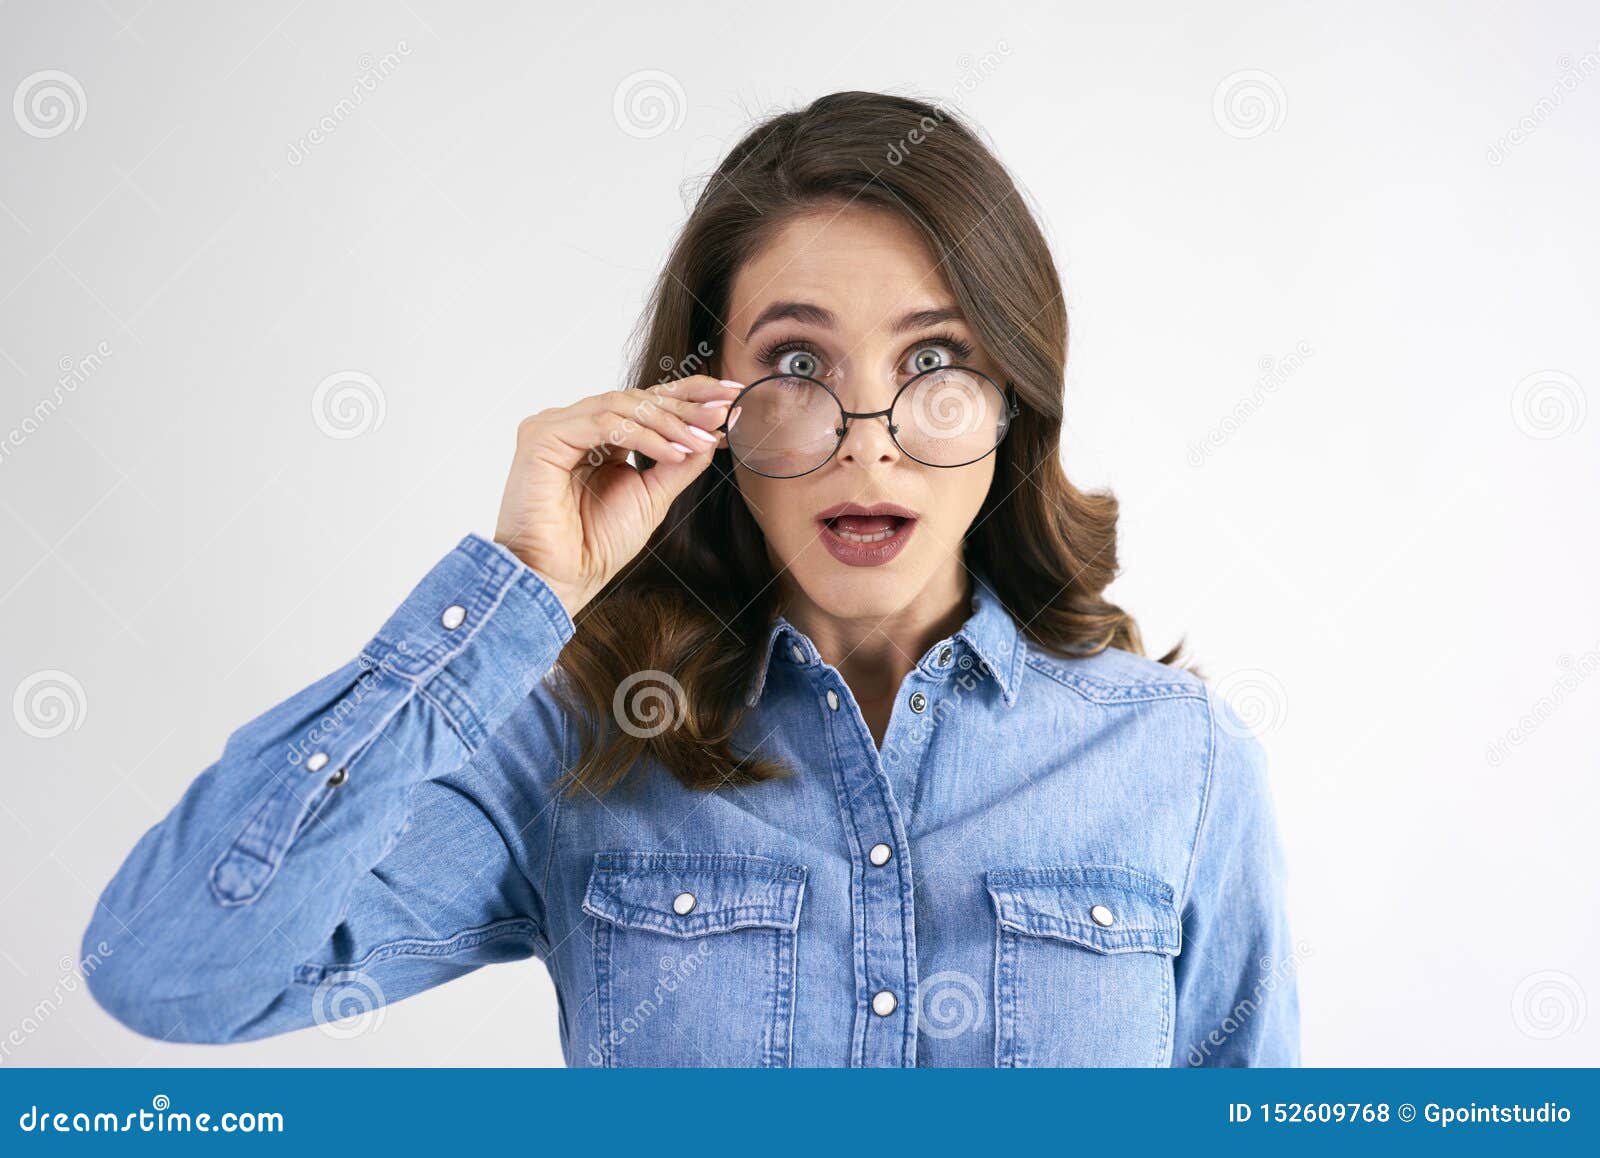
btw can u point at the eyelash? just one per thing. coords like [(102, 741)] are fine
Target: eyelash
[(769, 355)]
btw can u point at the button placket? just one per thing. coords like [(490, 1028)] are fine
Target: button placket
[(885, 923)]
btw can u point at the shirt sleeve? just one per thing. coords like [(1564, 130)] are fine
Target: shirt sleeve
[(1237, 998), (377, 833)]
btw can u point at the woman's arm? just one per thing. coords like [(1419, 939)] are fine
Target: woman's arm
[(361, 841), (1238, 1003), (367, 838)]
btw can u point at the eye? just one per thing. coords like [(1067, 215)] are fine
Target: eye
[(925, 358), (800, 362)]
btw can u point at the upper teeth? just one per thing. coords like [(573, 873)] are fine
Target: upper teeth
[(855, 538)]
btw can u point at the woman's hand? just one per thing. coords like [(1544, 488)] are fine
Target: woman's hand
[(575, 510)]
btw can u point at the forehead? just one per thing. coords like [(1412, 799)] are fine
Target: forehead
[(862, 263)]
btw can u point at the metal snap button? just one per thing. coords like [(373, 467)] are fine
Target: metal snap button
[(683, 904), (1101, 916), (879, 854), (884, 1003), (454, 616), (944, 657), (338, 778), (317, 762), (798, 652), (833, 700), (918, 701)]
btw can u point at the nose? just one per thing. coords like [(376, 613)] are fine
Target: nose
[(868, 439)]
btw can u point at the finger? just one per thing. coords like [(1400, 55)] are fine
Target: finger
[(587, 437), (697, 428), (665, 481), (698, 388), (707, 414)]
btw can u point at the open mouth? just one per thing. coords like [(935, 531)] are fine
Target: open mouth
[(866, 540), (866, 528)]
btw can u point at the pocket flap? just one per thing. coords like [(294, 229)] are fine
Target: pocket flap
[(690, 894), (1106, 908)]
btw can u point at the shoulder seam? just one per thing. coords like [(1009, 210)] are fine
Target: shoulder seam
[(1204, 811), (1102, 691)]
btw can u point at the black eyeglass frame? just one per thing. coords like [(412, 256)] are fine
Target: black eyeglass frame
[(1008, 395)]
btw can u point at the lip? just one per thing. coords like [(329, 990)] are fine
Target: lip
[(894, 509), (853, 554)]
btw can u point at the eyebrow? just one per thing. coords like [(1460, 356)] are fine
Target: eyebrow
[(924, 319), (796, 311), (815, 315)]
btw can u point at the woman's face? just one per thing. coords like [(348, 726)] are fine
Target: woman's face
[(852, 297)]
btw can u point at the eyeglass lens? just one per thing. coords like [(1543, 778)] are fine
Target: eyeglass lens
[(789, 426)]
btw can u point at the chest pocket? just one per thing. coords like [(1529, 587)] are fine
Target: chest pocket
[(694, 958), (1083, 966)]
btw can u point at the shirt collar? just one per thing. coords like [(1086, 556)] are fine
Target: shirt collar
[(995, 642)]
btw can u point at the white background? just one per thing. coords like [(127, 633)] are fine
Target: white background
[(1388, 554)]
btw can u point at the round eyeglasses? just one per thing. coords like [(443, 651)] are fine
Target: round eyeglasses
[(790, 425)]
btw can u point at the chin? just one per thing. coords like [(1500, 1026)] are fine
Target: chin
[(854, 592)]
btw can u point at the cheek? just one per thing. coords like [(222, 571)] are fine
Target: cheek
[(955, 496)]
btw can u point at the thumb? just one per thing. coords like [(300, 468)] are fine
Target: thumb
[(665, 481)]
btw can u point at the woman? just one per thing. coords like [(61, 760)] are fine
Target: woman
[(805, 738)]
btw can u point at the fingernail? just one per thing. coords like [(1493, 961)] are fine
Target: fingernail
[(702, 435), (730, 384), (733, 416), (682, 449), (717, 403)]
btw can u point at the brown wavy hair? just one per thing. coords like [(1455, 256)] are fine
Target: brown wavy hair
[(700, 599)]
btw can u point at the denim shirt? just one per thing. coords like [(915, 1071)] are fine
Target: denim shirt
[(1049, 862)]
